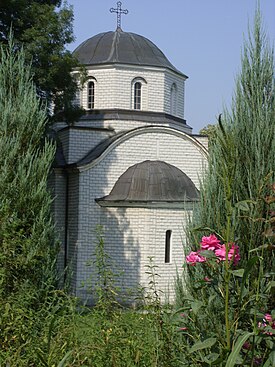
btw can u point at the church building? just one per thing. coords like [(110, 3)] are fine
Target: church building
[(130, 164)]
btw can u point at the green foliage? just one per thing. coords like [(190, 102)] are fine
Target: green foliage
[(26, 230), (125, 340), (105, 289), (28, 248), (43, 28), (40, 336), (210, 132), (241, 159), (224, 305), (152, 296), (224, 311)]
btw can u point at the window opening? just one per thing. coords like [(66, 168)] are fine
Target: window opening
[(173, 100), (168, 237), (137, 96), (91, 95)]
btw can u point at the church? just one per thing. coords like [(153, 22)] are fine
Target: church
[(130, 164)]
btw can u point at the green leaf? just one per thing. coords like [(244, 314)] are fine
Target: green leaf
[(41, 357), (249, 266), (208, 343), (196, 306), (211, 358), (65, 358), (271, 360), (237, 347), (208, 254), (237, 273), (265, 246), (243, 205)]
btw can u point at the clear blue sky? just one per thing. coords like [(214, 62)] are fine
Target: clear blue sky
[(202, 38)]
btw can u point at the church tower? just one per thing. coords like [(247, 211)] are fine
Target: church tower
[(130, 164)]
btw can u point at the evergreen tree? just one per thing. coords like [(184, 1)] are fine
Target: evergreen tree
[(241, 157), (228, 291), (26, 230), (43, 28)]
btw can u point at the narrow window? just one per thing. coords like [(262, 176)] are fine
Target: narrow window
[(137, 96), (168, 246), (91, 95), (173, 100)]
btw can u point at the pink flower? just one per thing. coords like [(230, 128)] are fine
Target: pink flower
[(261, 325), (268, 317), (210, 243), (267, 321), (206, 279), (233, 253), (194, 257)]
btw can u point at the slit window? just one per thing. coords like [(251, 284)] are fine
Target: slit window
[(137, 96), (173, 100), (91, 95), (168, 237)]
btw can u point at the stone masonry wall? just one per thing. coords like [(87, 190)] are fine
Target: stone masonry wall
[(133, 233), (113, 88)]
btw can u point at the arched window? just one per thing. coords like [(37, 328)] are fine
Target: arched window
[(91, 95), (137, 96), (168, 236), (173, 99)]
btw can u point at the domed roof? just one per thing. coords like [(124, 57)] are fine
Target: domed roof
[(123, 48), (153, 181)]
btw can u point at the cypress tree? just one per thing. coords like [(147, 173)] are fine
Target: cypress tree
[(241, 156), (26, 230), (237, 205)]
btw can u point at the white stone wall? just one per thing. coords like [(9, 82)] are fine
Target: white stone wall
[(170, 79), (203, 140), (79, 141), (113, 88), (133, 233)]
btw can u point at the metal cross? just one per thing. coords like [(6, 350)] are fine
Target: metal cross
[(119, 11)]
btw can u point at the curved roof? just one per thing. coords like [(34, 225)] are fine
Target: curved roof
[(98, 153), (153, 181), (123, 48)]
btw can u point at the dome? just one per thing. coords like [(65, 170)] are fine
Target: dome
[(153, 181), (122, 48)]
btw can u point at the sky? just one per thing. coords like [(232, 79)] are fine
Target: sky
[(201, 38)]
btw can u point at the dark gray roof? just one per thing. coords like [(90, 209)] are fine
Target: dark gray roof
[(121, 47), (132, 115), (99, 149), (153, 181)]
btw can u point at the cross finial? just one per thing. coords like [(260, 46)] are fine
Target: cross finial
[(119, 11)]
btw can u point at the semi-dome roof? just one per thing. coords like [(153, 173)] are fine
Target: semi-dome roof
[(153, 181), (123, 48)]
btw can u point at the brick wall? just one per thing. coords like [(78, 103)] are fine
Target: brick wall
[(131, 234), (113, 88)]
